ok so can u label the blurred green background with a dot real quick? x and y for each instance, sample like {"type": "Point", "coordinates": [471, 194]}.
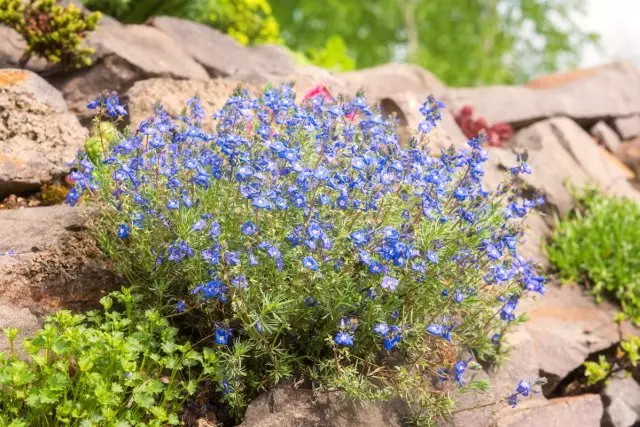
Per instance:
{"type": "Point", "coordinates": [464, 42]}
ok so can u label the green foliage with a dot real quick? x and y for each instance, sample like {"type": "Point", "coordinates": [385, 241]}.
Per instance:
{"type": "Point", "coordinates": [463, 42]}
{"type": "Point", "coordinates": [599, 245]}
{"type": "Point", "coordinates": [51, 31]}
{"type": "Point", "coordinates": [102, 135]}
{"type": "Point", "coordinates": [333, 55]}
{"type": "Point", "coordinates": [626, 359]}
{"type": "Point", "coordinates": [248, 21]}
{"type": "Point", "coordinates": [103, 368]}
{"type": "Point", "coordinates": [597, 371]}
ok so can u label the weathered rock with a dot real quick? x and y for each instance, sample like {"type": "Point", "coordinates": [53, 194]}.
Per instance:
{"type": "Point", "coordinates": [20, 318]}
{"type": "Point", "coordinates": [218, 53]}
{"type": "Point", "coordinates": [630, 155]}
{"type": "Point", "coordinates": [124, 55]}
{"type": "Point", "coordinates": [622, 401]}
{"type": "Point", "coordinates": [406, 106]}
{"type": "Point", "coordinates": [586, 153]}
{"type": "Point", "coordinates": [619, 414]}
{"type": "Point", "coordinates": [387, 80]}
{"type": "Point", "coordinates": [580, 411]}
{"type": "Point", "coordinates": [55, 265]}
{"type": "Point", "coordinates": [566, 326]}
{"type": "Point", "coordinates": [628, 127]}
{"type": "Point", "coordinates": [586, 95]}
{"type": "Point", "coordinates": [288, 407]}
{"type": "Point", "coordinates": [222, 56]}
{"type": "Point", "coordinates": [401, 89]}
{"type": "Point", "coordinates": [173, 94]}
{"type": "Point", "coordinates": [561, 154]}
{"type": "Point", "coordinates": [37, 134]}
{"type": "Point", "coordinates": [606, 136]}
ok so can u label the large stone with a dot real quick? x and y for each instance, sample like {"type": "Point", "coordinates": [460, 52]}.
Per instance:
{"type": "Point", "coordinates": [582, 148]}
{"type": "Point", "coordinates": [585, 95]}
{"type": "Point", "coordinates": [580, 411]}
{"type": "Point", "coordinates": [406, 106]}
{"type": "Point", "coordinates": [387, 80]}
{"type": "Point", "coordinates": [50, 262]}
{"type": "Point", "coordinates": [402, 89]}
{"type": "Point", "coordinates": [37, 134]}
{"type": "Point", "coordinates": [20, 318]}
{"type": "Point", "coordinates": [628, 127]}
{"type": "Point", "coordinates": [124, 55]}
{"type": "Point", "coordinates": [606, 136]}
{"type": "Point", "coordinates": [561, 154]}
{"type": "Point", "coordinates": [173, 95]}
{"type": "Point", "coordinates": [630, 155]}
{"type": "Point", "coordinates": [288, 407]}
{"type": "Point", "coordinates": [218, 53]}
{"type": "Point", "coordinates": [565, 327]}
{"type": "Point", "coordinates": [622, 401]}
{"type": "Point", "coordinates": [222, 56]}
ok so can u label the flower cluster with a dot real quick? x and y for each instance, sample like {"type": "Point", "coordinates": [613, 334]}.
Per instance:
{"type": "Point", "coordinates": [497, 134]}
{"type": "Point", "coordinates": [309, 237]}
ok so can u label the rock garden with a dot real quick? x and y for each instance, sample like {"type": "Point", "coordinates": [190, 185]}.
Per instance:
{"type": "Point", "coordinates": [201, 232]}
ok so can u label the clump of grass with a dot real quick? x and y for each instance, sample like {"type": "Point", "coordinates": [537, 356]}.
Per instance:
{"type": "Point", "coordinates": [598, 245]}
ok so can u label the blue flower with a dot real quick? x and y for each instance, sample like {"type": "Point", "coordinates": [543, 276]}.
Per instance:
{"type": "Point", "coordinates": [389, 283]}
{"type": "Point", "coordinates": [440, 331]}
{"type": "Point", "coordinates": [432, 257]}
{"type": "Point", "coordinates": [381, 329]}
{"type": "Point", "coordinates": [310, 263]}
{"type": "Point", "coordinates": [123, 231]}
{"type": "Point", "coordinates": [343, 339]}
{"type": "Point", "coordinates": [215, 229]}
{"type": "Point", "coordinates": [359, 237]}
{"type": "Point", "coordinates": [222, 335]}
{"type": "Point", "coordinates": [248, 228]}
{"type": "Point", "coordinates": [460, 367]}
{"type": "Point", "coordinates": [173, 204]}
{"type": "Point", "coordinates": [181, 306]}
{"type": "Point", "coordinates": [524, 388]}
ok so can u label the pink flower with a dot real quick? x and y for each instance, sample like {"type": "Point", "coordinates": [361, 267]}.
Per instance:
{"type": "Point", "coordinates": [319, 90]}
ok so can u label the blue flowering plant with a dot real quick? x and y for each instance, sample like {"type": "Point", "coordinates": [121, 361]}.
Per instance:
{"type": "Point", "coordinates": [305, 240]}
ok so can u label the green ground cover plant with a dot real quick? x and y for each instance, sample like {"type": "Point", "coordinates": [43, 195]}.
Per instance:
{"type": "Point", "coordinates": [598, 245]}
{"type": "Point", "coordinates": [107, 368]}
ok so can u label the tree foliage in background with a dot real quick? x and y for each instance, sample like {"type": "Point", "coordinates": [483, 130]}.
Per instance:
{"type": "Point", "coordinates": [248, 21]}
{"type": "Point", "coordinates": [464, 42]}
{"type": "Point", "coordinates": [52, 31]}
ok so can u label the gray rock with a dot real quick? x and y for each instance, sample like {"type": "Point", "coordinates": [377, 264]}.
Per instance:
{"type": "Point", "coordinates": [406, 106]}
{"type": "Point", "coordinates": [586, 153]}
{"type": "Point", "coordinates": [173, 94]}
{"type": "Point", "coordinates": [586, 95]}
{"type": "Point", "coordinates": [606, 136]}
{"type": "Point", "coordinates": [628, 127]}
{"type": "Point", "coordinates": [288, 407]}
{"type": "Point", "coordinates": [56, 263]}
{"type": "Point", "coordinates": [124, 55]}
{"type": "Point", "coordinates": [619, 414]}
{"type": "Point", "coordinates": [387, 80]}
{"type": "Point", "coordinates": [565, 327]}
{"type": "Point", "coordinates": [219, 54]}
{"type": "Point", "coordinates": [37, 134]}
{"type": "Point", "coordinates": [580, 411]}
{"type": "Point", "coordinates": [561, 154]}
{"type": "Point", "coordinates": [20, 318]}
{"type": "Point", "coordinates": [630, 154]}
{"type": "Point", "coordinates": [222, 56]}
{"type": "Point", "coordinates": [624, 397]}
